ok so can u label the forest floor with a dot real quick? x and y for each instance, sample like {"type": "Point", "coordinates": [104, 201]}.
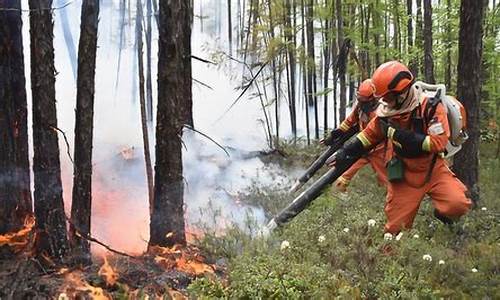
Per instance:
{"type": "Point", "coordinates": [336, 248]}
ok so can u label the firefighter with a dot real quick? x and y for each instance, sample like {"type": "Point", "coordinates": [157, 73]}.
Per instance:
{"type": "Point", "coordinates": [362, 113]}
{"type": "Point", "coordinates": [416, 127]}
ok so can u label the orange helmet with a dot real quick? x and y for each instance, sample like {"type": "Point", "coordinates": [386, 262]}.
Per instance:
{"type": "Point", "coordinates": [391, 76]}
{"type": "Point", "coordinates": [365, 91]}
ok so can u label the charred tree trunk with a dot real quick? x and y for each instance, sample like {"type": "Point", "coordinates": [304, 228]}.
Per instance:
{"type": "Point", "coordinates": [174, 111]}
{"type": "Point", "coordinates": [470, 48]}
{"type": "Point", "coordinates": [15, 196]}
{"type": "Point", "coordinates": [82, 181]}
{"type": "Point", "coordinates": [142, 101]}
{"type": "Point", "coordinates": [341, 64]}
{"type": "Point", "coordinates": [49, 205]}
{"type": "Point", "coordinates": [428, 57]}
{"type": "Point", "coordinates": [149, 80]}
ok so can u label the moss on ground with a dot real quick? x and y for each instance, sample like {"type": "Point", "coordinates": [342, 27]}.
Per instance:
{"type": "Point", "coordinates": [333, 252]}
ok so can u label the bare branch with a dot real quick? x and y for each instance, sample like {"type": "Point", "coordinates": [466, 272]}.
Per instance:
{"type": "Point", "coordinates": [208, 137]}
{"type": "Point", "coordinates": [89, 238]}
{"type": "Point", "coordinates": [65, 140]}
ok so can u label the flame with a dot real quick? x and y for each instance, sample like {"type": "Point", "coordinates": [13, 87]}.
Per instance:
{"type": "Point", "coordinates": [184, 259]}
{"type": "Point", "coordinates": [76, 284]}
{"type": "Point", "coordinates": [18, 240]}
{"type": "Point", "coordinates": [108, 273]}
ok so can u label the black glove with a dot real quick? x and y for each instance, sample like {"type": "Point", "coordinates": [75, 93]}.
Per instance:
{"type": "Point", "coordinates": [347, 155]}
{"type": "Point", "coordinates": [384, 125]}
{"type": "Point", "coordinates": [408, 143]}
{"type": "Point", "coordinates": [411, 142]}
{"type": "Point", "coordinates": [332, 137]}
{"type": "Point", "coordinates": [368, 107]}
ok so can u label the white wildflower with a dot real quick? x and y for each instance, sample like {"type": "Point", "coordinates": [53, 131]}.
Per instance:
{"type": "Point", "coordinates": [388, 236]}
{"type": "Point", "coordinates": [441, 262]}
{"type": "Point", "coordinates": [321, 239]}
{"type": "Point", "coordinates": [284, 245]}
{"type": "Point", "coordinates": [427, 257]}
{"type": "Point", "coordinates": [371, 222]}
{"type": "Point", "coordinates": [399, 236]}
{"type": "Point", "coordinates": [474, 270]}
{"type": "Point", "coordinates": [63, 296]}
{"type": "Point", "coordinates": [484, 208]}
{"type": "Point", "coordinates": [416, 236]}
{"type": "Point", "coordinates": [346, 230]}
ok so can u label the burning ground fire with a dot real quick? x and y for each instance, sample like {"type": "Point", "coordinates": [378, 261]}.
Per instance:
{"type": "Point", "coordinates": [18, 241]}
{"type": "Point", "coordinates": [187, 259]}
{"type": "Point", "coordinates": [175, 260]}
{"type": "Point", "coordinates": [135, 276]}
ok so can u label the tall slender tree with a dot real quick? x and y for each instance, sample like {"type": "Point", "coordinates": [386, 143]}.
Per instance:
{"type": "Point", "coordinates": [377, 24]}
{"type": "Point", "coordinates": [447, 72]}
{"type": "Point", "coordinates": [409, 27]}
{"type": "Point", "coordinates": [305, 71]}
{"type": "Point", "coordinates": [15, 196]}
{"type": "Point", "coordinates": [49, 206]}
{"type": "Point", "coordinates": [174, 111]}
{"type": "Point", "coordinates": [334, 47]}
{"type": "Point", "coordinates": [311, 65]}
{"type": "Point", "coordinates": [396, 39]}
{"type": "Point", "coordinates": [419, 36]}
{"type": "Point", "coordinates": [289, 33]}
{"type": "Point", "coordinates": [149, 80]}
{"type": "Point", "coordinates": [428, 55]}
{"type": "Point", "coordinates": [229, 27]}
{"type": "Point", "coordinates": [82, 181]}
{"type": "Point", "coordinates": [326, 67]}
{"type": "Point", "coordinates": [142, 104]}
{"type": "Point", "coordinates": [341, 63]}
{"type": "Point", "coordinates": [470, 48]}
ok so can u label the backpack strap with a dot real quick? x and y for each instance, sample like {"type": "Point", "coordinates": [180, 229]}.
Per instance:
{"type": "Point", "coordinates": [431, 106]}
{"type": "Point", "coordinates": [429, 112]}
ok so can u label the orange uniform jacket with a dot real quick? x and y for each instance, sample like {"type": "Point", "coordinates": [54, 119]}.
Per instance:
{"type": "Point", "coordinates": [375, 157]}
{"type": "Point", "coordinates": [415, 168]}
{"type": "Point", "coordinates": [403, 197]}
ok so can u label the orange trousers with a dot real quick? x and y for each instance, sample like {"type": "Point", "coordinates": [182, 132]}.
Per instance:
{"type": "Point", "coordinates": [448, 196]}
{"type": "Point", "coordinates": [375, 159]}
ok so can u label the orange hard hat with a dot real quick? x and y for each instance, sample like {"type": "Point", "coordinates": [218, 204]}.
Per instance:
{"type": "Point", "coordinates": [365, 91]}
{"type": "Point", "coordinates": [391, 76]}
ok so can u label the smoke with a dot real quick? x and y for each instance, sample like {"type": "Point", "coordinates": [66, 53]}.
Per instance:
{"type": "Point", "coordinates": [120, 209]}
